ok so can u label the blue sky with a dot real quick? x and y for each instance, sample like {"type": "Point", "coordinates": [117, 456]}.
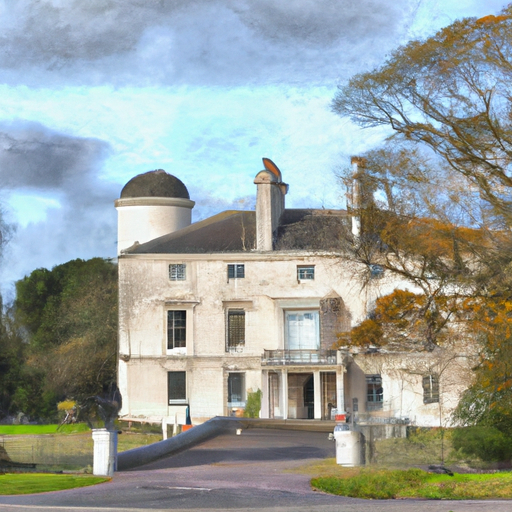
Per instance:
{"type": "Point", "coordinates": [93, 93]}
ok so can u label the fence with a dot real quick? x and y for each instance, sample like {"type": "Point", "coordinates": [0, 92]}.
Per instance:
{"type": "Point", "coordinates": [71, 452]}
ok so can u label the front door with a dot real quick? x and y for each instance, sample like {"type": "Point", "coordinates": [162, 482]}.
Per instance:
{"type": "Point", "coordinates": [301, 396]}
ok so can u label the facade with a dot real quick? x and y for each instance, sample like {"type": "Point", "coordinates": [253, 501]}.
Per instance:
{"type": "Point", "coordinates": [254, 300]}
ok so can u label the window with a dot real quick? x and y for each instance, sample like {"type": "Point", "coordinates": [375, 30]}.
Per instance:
{"type": "Point", "coordinates": [236, 271]}
{"type": "Point", "coordinates": [176, 329]}
{"type": "Point", "coordinates": [235, 330]}
{"type": "Point", "coordinates": [302, 330]}
{"type": "Point", "coordinates": [177, 387]}
{"type": "Point", "coordinates": [305, 272]}
{"type": "Point", "coordinates": [430, 389]}
{"type": "Point", "coordinates": [374, 394]}
{"type": "Point", "coordinates": [236, 390]}
{"type": "Point", "coordinates": [177, 272]}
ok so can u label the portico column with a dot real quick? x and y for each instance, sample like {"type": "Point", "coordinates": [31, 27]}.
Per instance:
{"type": "Point", "coordinates": [264, 395]}
{"type": "Point", "coordinates": [284, 391]}
{"type": "Point", "coordinates": [340, 388]}
{"type": "Point", "coordinates": [317, 387]}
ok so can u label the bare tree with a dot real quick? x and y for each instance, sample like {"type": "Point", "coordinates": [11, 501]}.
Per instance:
{"type": "Point", "coordinates": [450, 93]}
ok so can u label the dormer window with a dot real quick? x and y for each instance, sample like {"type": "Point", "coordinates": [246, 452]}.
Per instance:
{"type": "Point", "coordinates": [236, 271]}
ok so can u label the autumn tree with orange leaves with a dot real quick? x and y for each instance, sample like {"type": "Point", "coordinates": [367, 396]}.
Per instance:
{"type": "Point", "coordinates": [489, 400]}
{"type": "Point", "coordinates": [437, 207]}
{"type": "Point", "coordinates": [414, 231]}
{"type": "Point", "coordinates": [405, 320]}
{"type": "Point", "coordinates": [451, 94]}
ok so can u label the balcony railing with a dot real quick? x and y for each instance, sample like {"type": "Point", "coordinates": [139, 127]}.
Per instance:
{"type": "Point", "coordinates": [294, 357]}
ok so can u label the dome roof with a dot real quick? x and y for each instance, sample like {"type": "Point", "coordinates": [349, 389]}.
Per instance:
{"type": "Point", "coordinates": [155, 184]}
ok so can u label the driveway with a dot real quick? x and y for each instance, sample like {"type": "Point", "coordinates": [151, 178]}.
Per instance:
{"type": "Point", "coordinates": [253, 471]}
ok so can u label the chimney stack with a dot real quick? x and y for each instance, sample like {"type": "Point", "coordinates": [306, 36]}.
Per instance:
{"type": "Point", "coordinates": [269, 204]}
{"type": "Point", "coordinates": [355, 197]}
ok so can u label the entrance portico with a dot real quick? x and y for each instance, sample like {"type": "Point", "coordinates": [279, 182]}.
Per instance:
{"type": "Point", "coordinates": [301, 391]}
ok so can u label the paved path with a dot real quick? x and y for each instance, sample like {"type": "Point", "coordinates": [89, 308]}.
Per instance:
{"type": "Point", "coordinates": [246, 472]}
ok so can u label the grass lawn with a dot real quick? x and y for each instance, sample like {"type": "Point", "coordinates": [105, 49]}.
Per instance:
{"type": "Point", "coordinates": [10, 430]}
{"type": "Point", "coordinates": [68, 449]}
{"type": "Point", "coordinates": [373, 483]}
{"type": "Point", "coordinates": [129, 440]}
{"type": "Point", "coordinates": [126, 440]}
{"type": "Point", "coordinates": [26, 483]}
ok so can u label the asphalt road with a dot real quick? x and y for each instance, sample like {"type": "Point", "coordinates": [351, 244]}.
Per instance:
{"type": "Point", "coordinates": [246, 472]}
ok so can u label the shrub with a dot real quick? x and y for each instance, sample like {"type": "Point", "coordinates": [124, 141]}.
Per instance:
{"type": "Point", "coordinates": [66, 405]}
{"type": "Point", "coordinates": [383, 485]}
{"type": "Point", "coordinates": [487, 443]}
{"type": "Point", "coordinates": [253, 404]}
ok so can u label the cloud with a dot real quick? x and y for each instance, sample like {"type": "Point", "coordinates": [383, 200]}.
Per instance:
{"type": "Point", "coordinates": [320, 22]}
{"type": "Point", "coordinates": [58, 32]}
{"type": "Point", "coordinates": [36, 159]}
{"type": "Point", "coordinates": [199, 42]}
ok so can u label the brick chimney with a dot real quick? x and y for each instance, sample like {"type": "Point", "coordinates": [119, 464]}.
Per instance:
{"type": "Point", "coordinates": [269, 204]}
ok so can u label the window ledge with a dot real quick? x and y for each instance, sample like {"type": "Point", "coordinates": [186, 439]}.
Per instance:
{"type": "Point", "coordinates": [235, 350]}
{"type": "Point", "coordinates": [182, 351]}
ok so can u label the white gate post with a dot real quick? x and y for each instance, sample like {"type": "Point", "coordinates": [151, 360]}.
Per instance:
{"type": "Point", "coordinates": [105, 452]}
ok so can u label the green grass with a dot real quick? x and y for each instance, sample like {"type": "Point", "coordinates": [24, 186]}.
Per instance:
{"type": "Point", "coordinates": [27, 483]}
{"type": "Point", "coordinates": [62, 451]}
{"type": "Point", "coordinates": [10, 430]}
{"type": "Point", "coordinates": [129, 440]}
{"type": "Point", "coordinates": [415, 483]}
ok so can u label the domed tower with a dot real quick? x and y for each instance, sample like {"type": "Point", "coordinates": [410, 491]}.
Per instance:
{"type": "Point", "coordinates": [152, 204]}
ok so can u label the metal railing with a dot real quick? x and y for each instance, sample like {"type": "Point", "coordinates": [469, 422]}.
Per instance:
{"type": "Point", "coordinates": [367, 418]}
{"type": "Point", "coordinates": [294, 357]}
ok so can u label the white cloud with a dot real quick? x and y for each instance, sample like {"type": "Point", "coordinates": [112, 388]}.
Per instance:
{"type": "Point", "coordinates": [201, 42]}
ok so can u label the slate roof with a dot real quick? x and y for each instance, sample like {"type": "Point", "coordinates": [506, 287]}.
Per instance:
{"type": "Point", "coordinates": [235, 231]}
{"type": "Point", "coordinates": [312, 230]}
{"type": "Point", "coordinates": [228, 231]}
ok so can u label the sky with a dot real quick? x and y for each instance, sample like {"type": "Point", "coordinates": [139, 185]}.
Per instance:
{"type": "Point", "coordinates": [93, 93]}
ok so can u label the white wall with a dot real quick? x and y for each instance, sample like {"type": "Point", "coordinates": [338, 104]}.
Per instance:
{"type": "Point", "coordinates": [269, 288]}
{"type": "Point", "coordinates": [402, 375]}
{"type": "Point", "coordinates": [144, 219]}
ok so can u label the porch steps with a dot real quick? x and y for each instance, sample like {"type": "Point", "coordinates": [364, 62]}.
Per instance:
{"type": "Point", "coordinates": [305, 425]}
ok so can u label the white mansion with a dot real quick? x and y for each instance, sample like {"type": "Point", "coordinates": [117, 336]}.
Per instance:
{"type": "Point", "coordinates": [249, 300]}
